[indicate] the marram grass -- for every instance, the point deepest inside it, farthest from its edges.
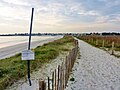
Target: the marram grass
(13, 68)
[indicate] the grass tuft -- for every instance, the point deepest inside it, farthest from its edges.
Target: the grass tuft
(13, 68)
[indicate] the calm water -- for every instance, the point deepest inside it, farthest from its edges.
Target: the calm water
(12, 40)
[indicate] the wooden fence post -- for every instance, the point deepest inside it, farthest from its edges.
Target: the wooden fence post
(42, 85)
(63, 79)
(58, 77)
(92, 40)
(53, 81)
(66, 71)
(96, 42)
(103, 44)
(68, 67)
(113, 44)
(60, 86)
(48, 83)
(59, 82)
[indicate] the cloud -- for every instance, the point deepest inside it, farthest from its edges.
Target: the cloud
(18, 2)
(60, 15)
(89, 13)
(102, 19)
(113, 18)
(112, 3)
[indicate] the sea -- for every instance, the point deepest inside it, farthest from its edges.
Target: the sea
(6, 41)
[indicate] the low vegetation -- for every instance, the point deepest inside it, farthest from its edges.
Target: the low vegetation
(13, 68)
(102, 41)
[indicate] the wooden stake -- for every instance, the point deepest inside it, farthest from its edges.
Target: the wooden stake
(113, 47)
(55, 80)
(96, 42)
(58, 77)
(42, 85)
(60, 86)
(48, 83)
(103, 44)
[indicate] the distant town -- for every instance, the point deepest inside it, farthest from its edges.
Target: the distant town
(58, 34)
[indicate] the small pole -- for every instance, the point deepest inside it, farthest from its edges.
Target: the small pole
(53, 81)
(48, 83)
(113, 47)
(96, 42)
(58, 77)
(103, 44)
(60, 84)
(29, 46)
(42, 85)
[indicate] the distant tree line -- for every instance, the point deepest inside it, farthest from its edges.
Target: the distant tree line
(104, 33)
(56, 34)
(39, 34)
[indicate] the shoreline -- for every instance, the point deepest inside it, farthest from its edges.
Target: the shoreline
(9, 51)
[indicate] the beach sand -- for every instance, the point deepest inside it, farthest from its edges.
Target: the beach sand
(18, 48)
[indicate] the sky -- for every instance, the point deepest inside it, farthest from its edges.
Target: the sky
(75, 16)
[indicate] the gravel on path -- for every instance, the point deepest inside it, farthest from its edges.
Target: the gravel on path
(95, 70)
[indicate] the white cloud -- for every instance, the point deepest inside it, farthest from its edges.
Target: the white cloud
(12, 14)
(54, 14)
(102, 19)
(18, 2)
(89, 13)
(113, 18)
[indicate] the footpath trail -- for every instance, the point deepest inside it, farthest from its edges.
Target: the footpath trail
(95, 70)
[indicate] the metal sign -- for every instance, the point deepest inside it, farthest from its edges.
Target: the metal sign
(28, 55)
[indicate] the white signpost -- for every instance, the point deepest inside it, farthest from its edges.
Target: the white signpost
(28, 55)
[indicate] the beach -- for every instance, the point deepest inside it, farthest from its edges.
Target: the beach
(46, 69)
(9, 51)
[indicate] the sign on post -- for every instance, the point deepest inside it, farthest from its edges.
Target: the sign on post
(28, 55)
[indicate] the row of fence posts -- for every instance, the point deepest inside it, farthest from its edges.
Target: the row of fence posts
(60, 76)
(103, 45)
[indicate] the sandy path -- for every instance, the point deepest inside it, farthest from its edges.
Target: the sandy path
(12, 50)
(95, 70)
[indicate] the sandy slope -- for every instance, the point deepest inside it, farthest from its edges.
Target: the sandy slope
(95, 70)
(43, 72)
(12, 50)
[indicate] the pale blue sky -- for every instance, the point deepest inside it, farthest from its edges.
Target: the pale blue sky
(60, 15)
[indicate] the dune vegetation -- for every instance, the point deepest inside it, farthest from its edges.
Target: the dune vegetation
(13, 68)
(98, 41)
